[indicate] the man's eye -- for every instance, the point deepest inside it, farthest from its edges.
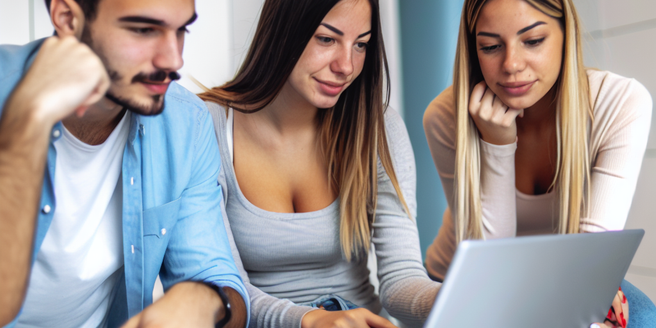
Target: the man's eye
(142, 30)
(183, 29)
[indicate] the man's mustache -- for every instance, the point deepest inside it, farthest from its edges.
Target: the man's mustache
(158, 76)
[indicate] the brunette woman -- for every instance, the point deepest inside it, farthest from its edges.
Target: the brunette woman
(316, 171)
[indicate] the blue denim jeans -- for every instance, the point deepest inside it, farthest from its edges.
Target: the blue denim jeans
(331, 302)
(642, 312)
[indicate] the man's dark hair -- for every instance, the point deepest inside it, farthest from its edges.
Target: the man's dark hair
(89, 7)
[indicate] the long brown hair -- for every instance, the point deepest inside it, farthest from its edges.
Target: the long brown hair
(351, 134)
(573, 111)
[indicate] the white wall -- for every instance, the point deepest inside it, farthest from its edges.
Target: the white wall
(14, 21)
(621, 38)
(207, 56)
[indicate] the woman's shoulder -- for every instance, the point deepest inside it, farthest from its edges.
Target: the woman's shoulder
(397, 137)
(442, 107)
(440, 119)
(218, 113)
(394, 124)
(611, 93)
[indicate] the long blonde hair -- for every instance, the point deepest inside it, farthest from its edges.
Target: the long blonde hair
(572, 178)
(352, 134)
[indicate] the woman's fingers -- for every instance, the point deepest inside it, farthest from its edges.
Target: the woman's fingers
(376, 321)
(487, 111)
(476, 97)
(617, 308)
(494, 120)
(624, 304)
(510, 116)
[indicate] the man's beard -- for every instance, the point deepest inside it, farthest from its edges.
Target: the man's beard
(155, 107)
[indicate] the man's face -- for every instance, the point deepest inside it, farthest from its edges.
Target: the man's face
(140, 43)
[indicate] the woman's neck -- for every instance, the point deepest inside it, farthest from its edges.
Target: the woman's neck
(539, 117)
(289, 112)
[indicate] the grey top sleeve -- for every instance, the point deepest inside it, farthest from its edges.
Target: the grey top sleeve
(405, 289)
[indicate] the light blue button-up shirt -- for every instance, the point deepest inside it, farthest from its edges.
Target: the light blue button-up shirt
(172, 219)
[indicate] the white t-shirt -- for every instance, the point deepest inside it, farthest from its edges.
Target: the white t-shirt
(81, 258)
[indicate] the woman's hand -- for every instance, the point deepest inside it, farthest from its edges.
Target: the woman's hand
(618, 315)
(357, 318)
(494, 120)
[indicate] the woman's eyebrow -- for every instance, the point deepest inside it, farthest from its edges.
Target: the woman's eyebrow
(340, 33)
(332, 28)
(522, 31)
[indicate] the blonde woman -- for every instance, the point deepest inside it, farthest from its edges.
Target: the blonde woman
(527, 141)
(315, 170)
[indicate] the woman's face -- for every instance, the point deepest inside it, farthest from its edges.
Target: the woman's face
(335, 55)
(520, 51)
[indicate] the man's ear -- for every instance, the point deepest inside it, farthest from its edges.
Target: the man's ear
(67, 18)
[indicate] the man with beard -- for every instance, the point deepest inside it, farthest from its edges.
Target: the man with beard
(108, 177)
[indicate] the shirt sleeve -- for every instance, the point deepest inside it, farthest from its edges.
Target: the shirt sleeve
(406, 292)
(619, 134)
(498, 198)
(199, 249)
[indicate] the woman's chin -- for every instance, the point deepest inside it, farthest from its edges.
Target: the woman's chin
(519, 103)
(325, 103)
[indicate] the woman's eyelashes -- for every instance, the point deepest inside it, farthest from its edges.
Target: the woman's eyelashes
(490, 49)
(534, 42)
(325, 40)
(531, 43)
(360, 46)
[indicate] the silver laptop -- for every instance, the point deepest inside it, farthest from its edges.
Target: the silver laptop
(538, 281)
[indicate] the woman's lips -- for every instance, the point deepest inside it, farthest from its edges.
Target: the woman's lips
(331, 89)
(517, 88)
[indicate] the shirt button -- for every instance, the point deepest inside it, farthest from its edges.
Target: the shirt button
(163, 232)
(46, 209)
(132, 181)
(56, 134)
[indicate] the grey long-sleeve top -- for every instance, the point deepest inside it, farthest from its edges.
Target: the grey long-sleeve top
(291, 258)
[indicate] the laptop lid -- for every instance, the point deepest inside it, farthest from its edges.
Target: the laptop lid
(549, 280)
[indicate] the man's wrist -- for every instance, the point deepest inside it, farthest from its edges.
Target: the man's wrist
(225, 312)
(22, 121)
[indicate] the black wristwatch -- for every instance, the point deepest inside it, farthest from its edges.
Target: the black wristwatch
(226, 306)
